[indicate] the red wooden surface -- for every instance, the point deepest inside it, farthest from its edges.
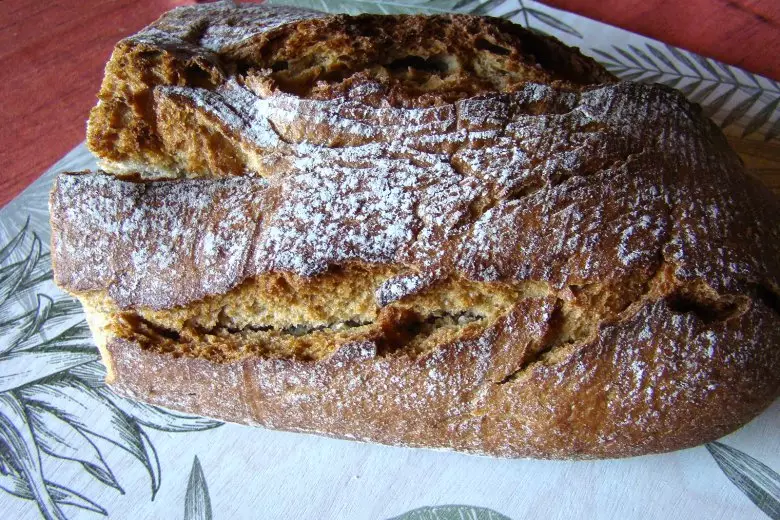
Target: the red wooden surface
(52, 55)
(745, 33)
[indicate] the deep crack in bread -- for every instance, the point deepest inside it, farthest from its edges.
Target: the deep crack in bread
(437, 231)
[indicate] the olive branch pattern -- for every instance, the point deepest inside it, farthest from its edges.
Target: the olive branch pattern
(702, 80)
(53, 401)
(759, 482)
(451, 512)
(197, 502)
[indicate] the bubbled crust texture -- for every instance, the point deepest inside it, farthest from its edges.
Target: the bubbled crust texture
(210, 46)
(602, 184)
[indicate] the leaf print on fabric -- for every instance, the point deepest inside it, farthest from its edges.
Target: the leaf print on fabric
(53, 400)
(157, 418)
(60, 439)
(758, 481)
(18, 487)
(88, 412)
(451, 512)
(703, 81)
(761, 118)
(23, 367)
(18, 450)
(197, 503)
(551, 21)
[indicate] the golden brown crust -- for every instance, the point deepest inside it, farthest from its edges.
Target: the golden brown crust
(517, 264)
(652, 383)
(410, 61)
(413, 61)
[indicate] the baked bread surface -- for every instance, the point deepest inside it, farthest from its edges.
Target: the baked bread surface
(554, 265)
(140, 126)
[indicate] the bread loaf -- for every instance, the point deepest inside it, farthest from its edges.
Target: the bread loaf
(493, 247)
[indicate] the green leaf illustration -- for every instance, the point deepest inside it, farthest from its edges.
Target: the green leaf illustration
(682, 58)
(42, 311)
(85, 409)
(40, 272)
(703, 93)
(607, 58)
(758, 481)
(485, 7)
(11, 276)
(631, 75)
(553, 22)
(18, 487)
(17, 445)
(752, 77)
(707, 65)
(653, 78)
(26, 366)
(647, 59)
(740, 110)
(197, 503)
(92, 374)
(690, 88)
(672, 82)
(152, 461)
(158, 418)
(774, 130)
(74, 336)
(464, 4)
(50, 319)
(627, 55)
(451, 512)
(58, 438)
(368, 6)
(662, 57)
(727, 71)
(761, 117)
(24, 326)
(7, 250)
(714, 107)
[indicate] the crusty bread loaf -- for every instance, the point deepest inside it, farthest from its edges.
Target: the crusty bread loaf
(551, 265)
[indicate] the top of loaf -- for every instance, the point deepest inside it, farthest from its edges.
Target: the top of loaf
(404, 61)
(401, 61)
(541, 185)
(216, 27)
(419, 60)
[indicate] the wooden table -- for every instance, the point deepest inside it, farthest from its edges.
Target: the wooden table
(52, 56)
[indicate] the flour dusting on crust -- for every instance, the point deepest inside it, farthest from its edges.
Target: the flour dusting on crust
(538, 185)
